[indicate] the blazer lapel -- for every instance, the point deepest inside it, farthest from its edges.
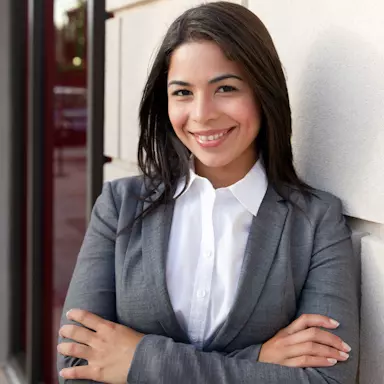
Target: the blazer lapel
(263, 240)
(155, 237)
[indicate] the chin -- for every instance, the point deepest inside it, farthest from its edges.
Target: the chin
(213, 162)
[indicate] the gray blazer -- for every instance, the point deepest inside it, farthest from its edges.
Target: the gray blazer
(296, 261)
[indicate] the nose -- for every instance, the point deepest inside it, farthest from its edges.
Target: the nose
(204, 109)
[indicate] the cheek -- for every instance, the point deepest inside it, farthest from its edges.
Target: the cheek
(250, 115)
(178, 117)
(246, 113)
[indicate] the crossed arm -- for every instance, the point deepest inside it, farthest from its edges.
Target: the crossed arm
(158, 359)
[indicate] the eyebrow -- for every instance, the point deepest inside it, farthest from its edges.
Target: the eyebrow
(212, 81)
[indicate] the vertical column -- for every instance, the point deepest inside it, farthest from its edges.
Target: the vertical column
(17, 223)
(39, 193)
(95, 133)
(5, 176)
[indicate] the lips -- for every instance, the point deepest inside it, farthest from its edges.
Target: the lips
(210, 139)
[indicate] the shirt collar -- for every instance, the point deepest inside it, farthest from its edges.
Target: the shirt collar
(249, 191)
(192, 178)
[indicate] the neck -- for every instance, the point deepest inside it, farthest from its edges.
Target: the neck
(221, 177)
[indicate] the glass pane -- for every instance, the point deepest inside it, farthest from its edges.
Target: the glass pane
(70, 125)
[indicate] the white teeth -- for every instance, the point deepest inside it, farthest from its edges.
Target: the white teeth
(212, 137)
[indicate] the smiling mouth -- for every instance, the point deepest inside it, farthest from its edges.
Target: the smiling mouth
(217, 136)
(213, 140)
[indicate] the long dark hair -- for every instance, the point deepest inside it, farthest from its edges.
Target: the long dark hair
(162, 158)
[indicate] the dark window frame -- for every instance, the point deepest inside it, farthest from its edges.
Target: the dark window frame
(31, 181)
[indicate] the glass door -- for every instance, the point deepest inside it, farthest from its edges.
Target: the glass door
(56, 172)
(69, 175)
(58, 145)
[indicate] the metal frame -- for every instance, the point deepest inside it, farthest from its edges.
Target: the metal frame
(18, 18)
(39, 171)
(95, 130)
(35, 207)
(30, 27)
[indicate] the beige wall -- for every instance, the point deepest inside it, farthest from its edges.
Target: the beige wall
(333, 55)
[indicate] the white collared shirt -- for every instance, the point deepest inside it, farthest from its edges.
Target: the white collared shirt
(208, 236)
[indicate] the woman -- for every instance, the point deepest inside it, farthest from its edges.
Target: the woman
(217, 264)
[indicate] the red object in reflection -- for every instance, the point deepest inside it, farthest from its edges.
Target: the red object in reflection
(70, 102)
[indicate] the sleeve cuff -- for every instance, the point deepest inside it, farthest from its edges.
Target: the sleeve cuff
(146, 359)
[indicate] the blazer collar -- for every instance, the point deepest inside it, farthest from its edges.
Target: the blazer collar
(156, 228)
(260, 252)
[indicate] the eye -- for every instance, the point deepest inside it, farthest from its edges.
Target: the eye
(226, 88)
(181, 92)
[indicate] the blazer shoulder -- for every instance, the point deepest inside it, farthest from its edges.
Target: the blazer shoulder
(317, 203)
(126, 190)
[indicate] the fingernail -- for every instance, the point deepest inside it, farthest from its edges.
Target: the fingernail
(346, 347)
(332, 361)
(334, 322)
(67, 314)
(61, 373)
(344, 355)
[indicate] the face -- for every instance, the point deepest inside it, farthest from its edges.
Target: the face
(212, 108)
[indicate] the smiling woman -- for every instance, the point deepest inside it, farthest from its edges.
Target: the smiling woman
(213, 111)
(217, 264)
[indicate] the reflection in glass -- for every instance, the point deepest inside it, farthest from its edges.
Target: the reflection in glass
(70, 125)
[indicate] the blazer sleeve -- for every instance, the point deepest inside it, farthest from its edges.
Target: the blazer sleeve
(330, 289)
(92, 287)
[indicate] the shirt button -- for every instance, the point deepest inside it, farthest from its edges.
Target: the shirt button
(201, 293)
(208, 254)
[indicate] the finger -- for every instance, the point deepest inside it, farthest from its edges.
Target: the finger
(317, 335)
(87, 372)
(309, 362)
(77, 333)
(75, 350)
(85, 318)
(315, 349)
(310, 320)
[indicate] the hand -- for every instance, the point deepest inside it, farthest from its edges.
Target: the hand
(108, 347)
(303, 344)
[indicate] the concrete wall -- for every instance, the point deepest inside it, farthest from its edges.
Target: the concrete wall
(5, 172)
(333, 55)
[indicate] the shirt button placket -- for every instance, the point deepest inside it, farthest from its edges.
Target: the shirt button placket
(209, 242)
(200, 302)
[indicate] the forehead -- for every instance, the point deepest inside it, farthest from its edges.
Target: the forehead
(200, 59)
